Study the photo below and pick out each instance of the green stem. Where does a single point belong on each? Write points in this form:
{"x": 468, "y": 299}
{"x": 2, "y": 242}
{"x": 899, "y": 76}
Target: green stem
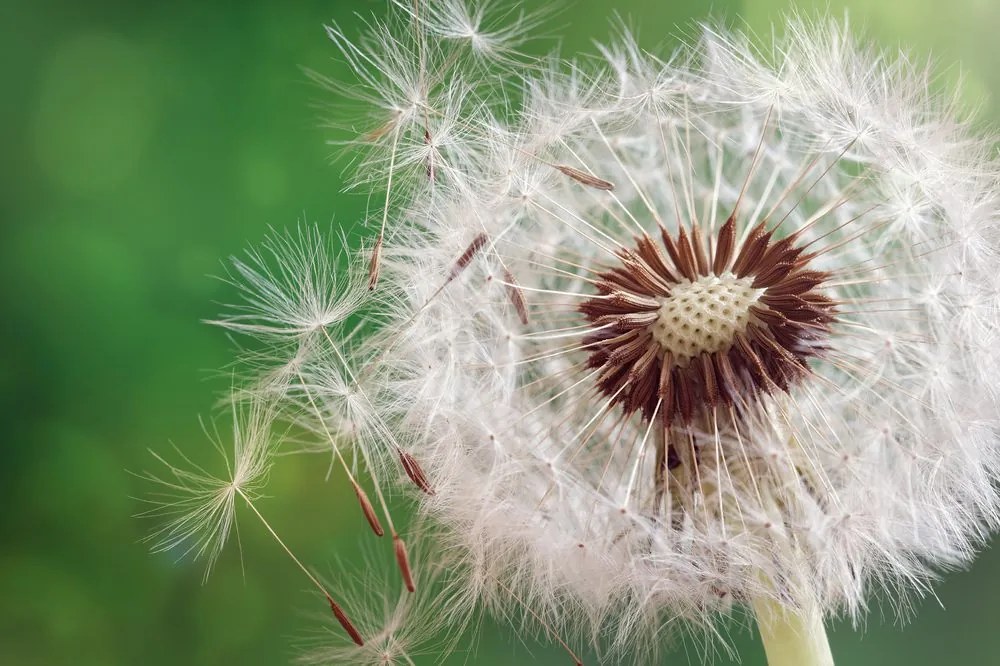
{"x": 792, "y": 638}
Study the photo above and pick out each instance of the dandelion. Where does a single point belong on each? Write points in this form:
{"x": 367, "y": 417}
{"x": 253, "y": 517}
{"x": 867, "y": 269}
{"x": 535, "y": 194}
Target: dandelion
{"x": 649, "y": 341}
{"x": 704, "y": 334}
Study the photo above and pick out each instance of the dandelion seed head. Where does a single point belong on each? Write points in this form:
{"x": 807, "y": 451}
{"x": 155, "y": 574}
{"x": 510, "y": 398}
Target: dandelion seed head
{"x": 748, "y": 300}
{"x": 649, "y": 339}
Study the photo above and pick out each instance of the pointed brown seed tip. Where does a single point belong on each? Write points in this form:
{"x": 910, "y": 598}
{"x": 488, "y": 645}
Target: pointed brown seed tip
{"x": 368, "y": 510}
{"x": 375, "y": 265}
{"x": 429, "y": 167}
{"x": 585, "y": 178}
{"x": 466, "y": 257}
{"x": 403, "y": 560}
{"x": 345, "y": 622}
{"x": 415, "y": 472}
{"x": 725, "y": 245}
{"x": 516, "y": 296}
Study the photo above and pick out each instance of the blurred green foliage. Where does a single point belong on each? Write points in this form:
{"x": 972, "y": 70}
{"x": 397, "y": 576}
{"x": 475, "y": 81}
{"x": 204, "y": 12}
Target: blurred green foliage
{"x": 143, "y": 143}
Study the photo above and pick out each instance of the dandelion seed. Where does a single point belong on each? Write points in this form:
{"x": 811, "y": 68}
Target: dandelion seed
{"x": 375, "y": 264}
{"x": 584, "y": 178}
{"x": 368, "y": 510}
{"x": 202, "y": 508}
{"x": 403, "y": 560}
{"x": 463, "y": 260}
{"x": 516, "y": 296}
{"x": 345, "y": 622}
{"x": 415, "y": 472}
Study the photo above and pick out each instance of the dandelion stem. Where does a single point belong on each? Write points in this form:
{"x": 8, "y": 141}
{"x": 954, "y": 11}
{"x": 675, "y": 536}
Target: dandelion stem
{"x": 792, "y": 638}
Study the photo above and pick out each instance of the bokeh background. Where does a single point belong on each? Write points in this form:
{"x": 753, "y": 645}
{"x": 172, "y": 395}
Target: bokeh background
{"x": 142, "y": 143}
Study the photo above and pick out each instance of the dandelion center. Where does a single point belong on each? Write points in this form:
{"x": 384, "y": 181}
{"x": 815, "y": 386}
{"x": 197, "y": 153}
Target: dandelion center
{"x": 700, "y": 320}
{"x": 704, "y": 315}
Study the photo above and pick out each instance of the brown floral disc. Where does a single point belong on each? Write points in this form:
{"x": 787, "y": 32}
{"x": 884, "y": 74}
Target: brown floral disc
{"x": 707, "y": 323}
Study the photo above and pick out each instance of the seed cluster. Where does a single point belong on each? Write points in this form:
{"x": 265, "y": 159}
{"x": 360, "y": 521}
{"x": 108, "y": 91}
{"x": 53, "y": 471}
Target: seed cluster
{"x": 704, "y": 315}
{"x": 706, "y": 323}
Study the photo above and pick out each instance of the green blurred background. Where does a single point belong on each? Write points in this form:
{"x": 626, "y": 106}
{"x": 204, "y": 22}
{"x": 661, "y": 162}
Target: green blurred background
{"x": 143, "y": 143}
